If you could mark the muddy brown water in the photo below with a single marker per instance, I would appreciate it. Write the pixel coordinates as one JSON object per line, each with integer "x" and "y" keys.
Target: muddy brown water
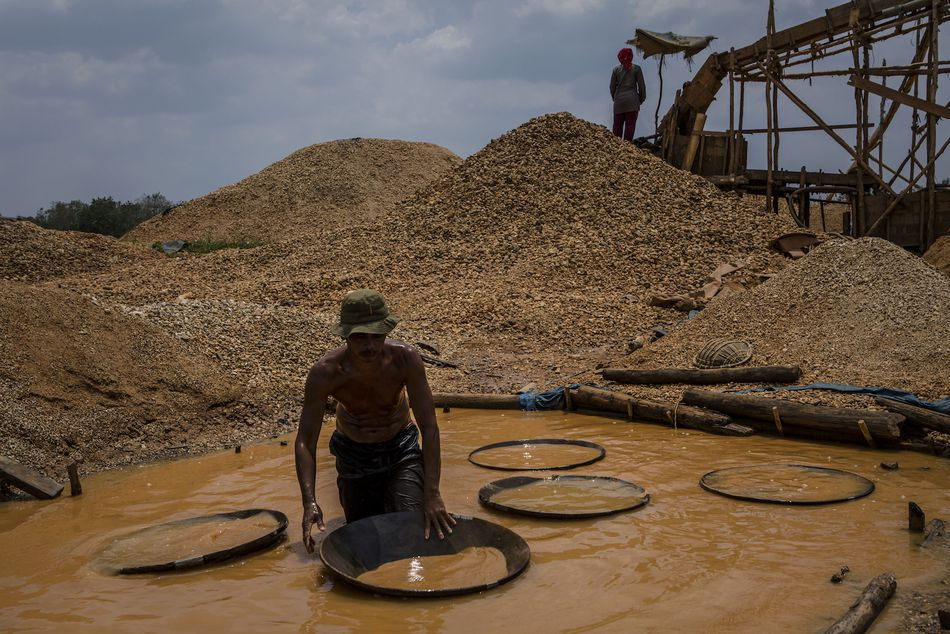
{"x": 470, "y": 567}
{"x": 689, "y": 561}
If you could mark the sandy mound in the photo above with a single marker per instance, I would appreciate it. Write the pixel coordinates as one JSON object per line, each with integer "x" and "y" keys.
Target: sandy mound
{"x": 938, "y": 255}
{"x": 76, "y": 375}
{"x": 536, "y": 255}
{"x": 321, "y": 186}
{"x": 29, "y": 253}
{"x": 863, "y": 312}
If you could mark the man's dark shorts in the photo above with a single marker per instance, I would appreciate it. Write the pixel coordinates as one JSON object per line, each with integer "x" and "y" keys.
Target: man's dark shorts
{"x": 375, "y": 478}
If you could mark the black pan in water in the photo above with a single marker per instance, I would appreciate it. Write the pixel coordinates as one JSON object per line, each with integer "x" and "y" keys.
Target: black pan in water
{"x": 367, "y": 544}
{"x": 587, "y": 453}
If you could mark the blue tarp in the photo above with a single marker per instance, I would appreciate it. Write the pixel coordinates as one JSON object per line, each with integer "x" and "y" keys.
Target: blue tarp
{"x": 537, "y": 401}
{"x": 941, "y": 405}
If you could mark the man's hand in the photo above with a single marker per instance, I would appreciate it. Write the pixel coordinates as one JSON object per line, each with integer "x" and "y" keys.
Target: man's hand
{"x": 312, "y": 514}
{"x": 436, "y": 516}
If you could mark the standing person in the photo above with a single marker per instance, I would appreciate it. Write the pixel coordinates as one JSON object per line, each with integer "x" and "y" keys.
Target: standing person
{"x": 380, "y": 466}
{"x": 628, "y": 91}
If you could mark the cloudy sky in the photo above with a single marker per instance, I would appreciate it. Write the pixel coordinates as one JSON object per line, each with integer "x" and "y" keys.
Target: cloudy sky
{"x": 128, "y": 97}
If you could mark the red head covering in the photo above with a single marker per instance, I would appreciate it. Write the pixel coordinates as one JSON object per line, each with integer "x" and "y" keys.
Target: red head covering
{"x": 626, "y": 58}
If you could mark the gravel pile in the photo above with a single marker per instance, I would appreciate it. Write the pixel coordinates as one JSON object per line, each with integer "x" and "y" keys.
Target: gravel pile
{"x": 321, "y": 186}
{"x": 863, "y": 312}
{"x": 81, "y": 381}
{"x": 29, "y": 253}
{"x": 938, "y": 255}
{"x": 529, "y": 262}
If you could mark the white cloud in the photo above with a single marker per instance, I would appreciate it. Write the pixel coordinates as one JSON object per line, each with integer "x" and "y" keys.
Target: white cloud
{"x": 562, "y": 8}
{"x": 446, "y": 39}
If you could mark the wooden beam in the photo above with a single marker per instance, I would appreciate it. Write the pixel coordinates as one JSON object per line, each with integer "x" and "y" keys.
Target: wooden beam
{"x": 673, "y": 414}
{"x": 899, "y": 97}
{"x": 834, "y": 422}
{"x": 808, "y": 128}
{"x": 920, "y": 416}
{"x": 29, "y": 480}
{"x": 867, "y": 606}
{"x": 761, "y": 374}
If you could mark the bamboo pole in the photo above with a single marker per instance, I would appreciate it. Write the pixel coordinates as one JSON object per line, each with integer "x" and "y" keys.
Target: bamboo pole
{"x": 731, "y": 143}
{"x": 932, "y": 128}
{"x": 769, "y": 114}
{"x": 860, "y": 207}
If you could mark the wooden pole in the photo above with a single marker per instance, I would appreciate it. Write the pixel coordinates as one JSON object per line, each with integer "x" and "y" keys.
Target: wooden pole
{"x": 731, "y": 147}
{"x": 800, "y": 419}
{"x": 929, "y": 229}
{"x": 860, "y": 208}
{"x": 916, "y": 518}
{"x": 920, "y": 416}
{"x": 590, "y": 398}
{"x": 698, "y": 124}
{"x": 769, "y": 102}
{"x": 75, "y": 486}
{"x": 778, "y": 421}
{"x": 761, "y": 374}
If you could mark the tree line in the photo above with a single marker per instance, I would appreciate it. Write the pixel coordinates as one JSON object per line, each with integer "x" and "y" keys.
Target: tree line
{"x": 101, "y": 215}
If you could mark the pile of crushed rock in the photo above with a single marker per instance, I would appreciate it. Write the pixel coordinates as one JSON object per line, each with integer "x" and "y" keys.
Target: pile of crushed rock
{"x": 83, "y": 382}
{"x": 938, "y": 255}
{"x": 320, "y": 186}
{"x": 860, "y": 312}
{"x": 29, "y": 253}
{"x": 535, "y": 257}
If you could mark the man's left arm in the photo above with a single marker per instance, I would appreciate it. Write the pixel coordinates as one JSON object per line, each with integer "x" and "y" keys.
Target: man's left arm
{"x": 423, "y": 408}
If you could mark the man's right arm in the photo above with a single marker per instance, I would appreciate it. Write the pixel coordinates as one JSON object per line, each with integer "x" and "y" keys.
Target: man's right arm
{"x": 305, "y": 451}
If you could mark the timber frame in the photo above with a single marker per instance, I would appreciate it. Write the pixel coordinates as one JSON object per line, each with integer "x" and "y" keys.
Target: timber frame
{"x": 904, "y": 203}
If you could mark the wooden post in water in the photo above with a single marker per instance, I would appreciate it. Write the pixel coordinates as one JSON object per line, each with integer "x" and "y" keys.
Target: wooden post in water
{"x": 75, "y": 486}
{"x": 916, "y": 519}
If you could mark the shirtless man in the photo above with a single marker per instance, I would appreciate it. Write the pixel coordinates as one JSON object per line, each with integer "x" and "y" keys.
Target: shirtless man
{"x": 380, "y": 467}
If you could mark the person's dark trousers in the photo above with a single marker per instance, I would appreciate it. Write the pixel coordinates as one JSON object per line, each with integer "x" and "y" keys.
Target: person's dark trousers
{"x": 625, "y": 123}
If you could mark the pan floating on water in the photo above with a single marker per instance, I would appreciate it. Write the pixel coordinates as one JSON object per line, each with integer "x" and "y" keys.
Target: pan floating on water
{"x": 388, "y": 554}
{"x": 193, "y": 542}
{"x": 795, "y": 484}
{"x": 538, "y": 454}
{"x": 563, "y": 496}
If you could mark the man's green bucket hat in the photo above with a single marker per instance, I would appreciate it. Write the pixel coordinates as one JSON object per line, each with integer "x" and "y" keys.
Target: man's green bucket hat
{"x": 364, "y": 311}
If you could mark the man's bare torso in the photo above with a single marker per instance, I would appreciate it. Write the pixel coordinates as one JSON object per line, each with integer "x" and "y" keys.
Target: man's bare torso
{"x": 372, "y": 402}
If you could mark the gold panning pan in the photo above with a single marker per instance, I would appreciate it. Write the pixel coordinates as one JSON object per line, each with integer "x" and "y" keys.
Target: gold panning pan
{"x": 193, "y": 542}
{"x": 795, "y": 484}
{"x": 538, "y": 454}
{"x": 388, "y": 554}
{"x": 563, "y": 496}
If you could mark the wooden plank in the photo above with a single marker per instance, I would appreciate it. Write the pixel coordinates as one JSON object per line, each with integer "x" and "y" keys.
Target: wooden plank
{"x": 899, "y": 97}
{"x": 29, "y": 480}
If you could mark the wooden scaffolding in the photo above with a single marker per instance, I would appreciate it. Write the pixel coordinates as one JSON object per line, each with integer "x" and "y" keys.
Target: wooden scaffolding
{"x": 905, "y": 203}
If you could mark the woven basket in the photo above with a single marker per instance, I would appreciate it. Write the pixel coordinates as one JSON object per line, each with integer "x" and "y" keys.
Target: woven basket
{"x": 723, "y": 353}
